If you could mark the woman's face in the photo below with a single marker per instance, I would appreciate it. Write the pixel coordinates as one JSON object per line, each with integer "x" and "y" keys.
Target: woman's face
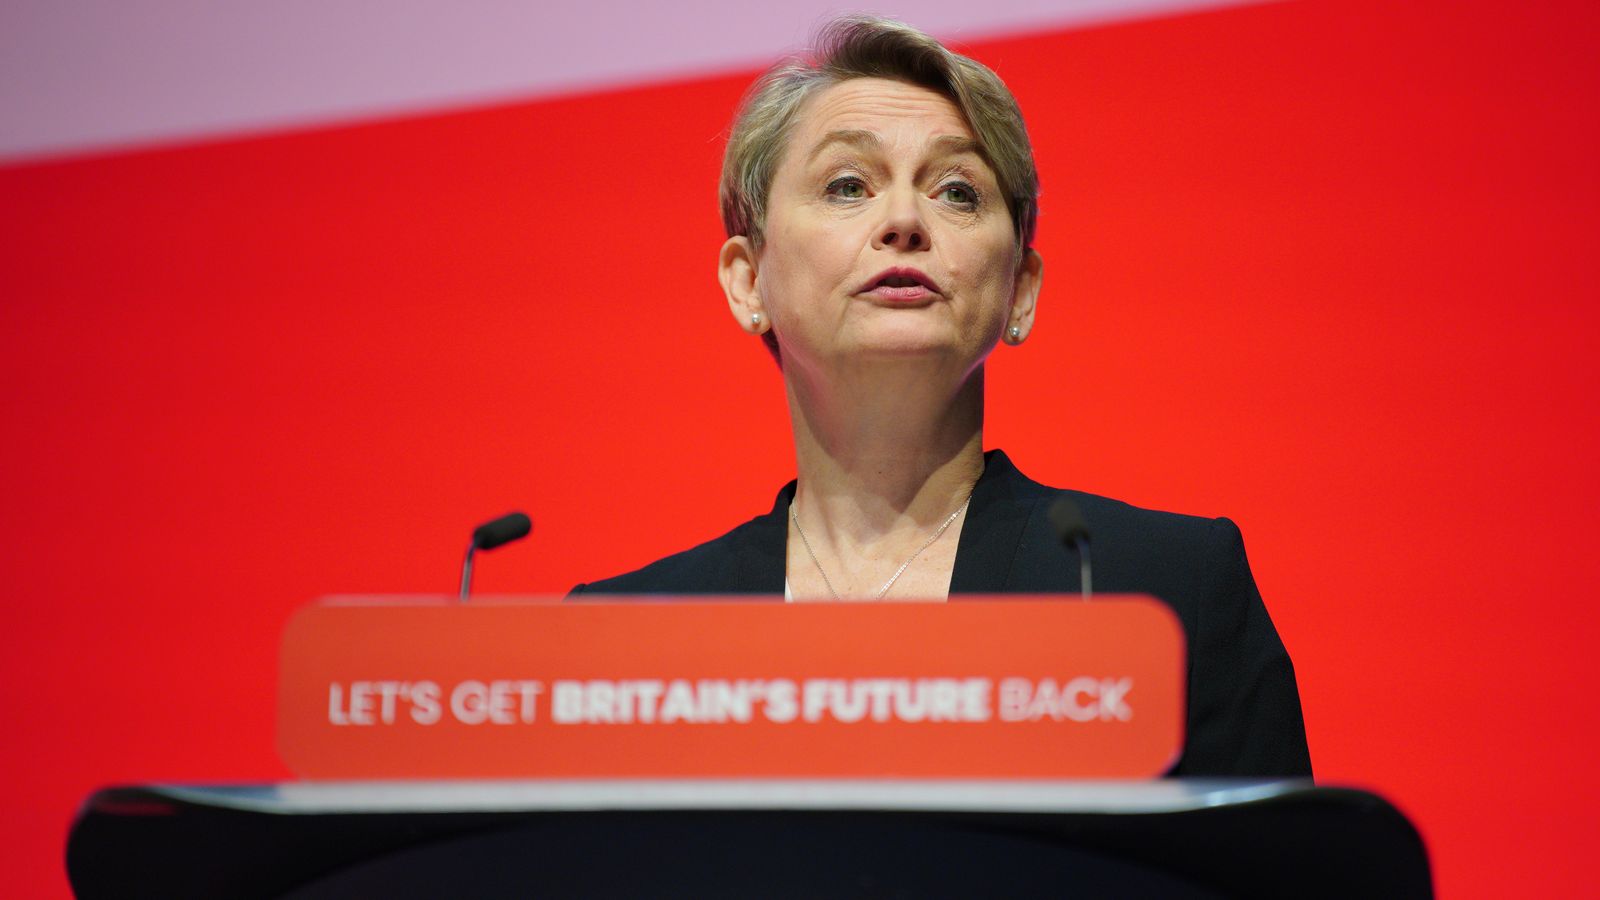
{"x": 886, "y": 234}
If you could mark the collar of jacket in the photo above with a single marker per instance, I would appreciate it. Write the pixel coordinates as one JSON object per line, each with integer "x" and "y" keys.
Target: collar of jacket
{"x": 1003, "y": 501}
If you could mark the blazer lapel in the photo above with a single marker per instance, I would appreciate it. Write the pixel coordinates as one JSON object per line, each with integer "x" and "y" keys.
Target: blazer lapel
{"x": 757, "y": 565}
{"x": 993, "y": 531}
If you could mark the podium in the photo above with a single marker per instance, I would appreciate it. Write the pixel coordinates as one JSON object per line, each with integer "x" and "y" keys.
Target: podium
{"x": 1006, "y": 747}
{"x": 778, "y": 839}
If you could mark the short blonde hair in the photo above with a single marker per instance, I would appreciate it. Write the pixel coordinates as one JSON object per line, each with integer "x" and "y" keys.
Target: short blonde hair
{"x": 871, "y": 47}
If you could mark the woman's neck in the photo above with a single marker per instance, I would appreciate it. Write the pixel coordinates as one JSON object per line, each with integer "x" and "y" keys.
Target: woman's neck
{"x": 882, "y": 461}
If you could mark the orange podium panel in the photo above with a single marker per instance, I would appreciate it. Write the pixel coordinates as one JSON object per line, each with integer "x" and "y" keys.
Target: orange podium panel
{"x": 1006, "y": 687}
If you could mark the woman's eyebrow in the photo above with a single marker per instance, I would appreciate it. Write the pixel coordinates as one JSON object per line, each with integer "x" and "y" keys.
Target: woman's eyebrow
{"x": 945, "y": 145}
{"x": 861, "y": 139}
{"x": 954, "y": 145}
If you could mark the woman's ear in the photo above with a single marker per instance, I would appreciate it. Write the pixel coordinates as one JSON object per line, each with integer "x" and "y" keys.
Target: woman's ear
{"x": 736, "y": 269}
{"x": 1025, "y": 297}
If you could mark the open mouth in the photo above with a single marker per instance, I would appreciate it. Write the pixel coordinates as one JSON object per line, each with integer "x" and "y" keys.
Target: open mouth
{"x": 901, "y": 285}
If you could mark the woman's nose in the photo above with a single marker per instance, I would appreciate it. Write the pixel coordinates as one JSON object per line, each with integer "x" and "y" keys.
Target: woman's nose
{"x": 902, "y": 227}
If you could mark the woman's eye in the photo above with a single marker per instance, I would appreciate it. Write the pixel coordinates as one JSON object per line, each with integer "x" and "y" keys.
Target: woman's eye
{"x": 848, "y": 188}
{"x": 959, "y": 194}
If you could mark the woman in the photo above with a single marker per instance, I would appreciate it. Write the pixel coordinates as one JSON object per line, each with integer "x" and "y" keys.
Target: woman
{"x": 880, "y": 207}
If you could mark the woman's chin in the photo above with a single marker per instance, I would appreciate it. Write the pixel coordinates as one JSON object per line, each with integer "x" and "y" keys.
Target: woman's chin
{"x": 908, "y": 346}
{"x": 911, "y": 338}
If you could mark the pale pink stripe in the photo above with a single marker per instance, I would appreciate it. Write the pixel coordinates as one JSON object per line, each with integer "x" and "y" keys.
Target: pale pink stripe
{"x": 79, "y": 75}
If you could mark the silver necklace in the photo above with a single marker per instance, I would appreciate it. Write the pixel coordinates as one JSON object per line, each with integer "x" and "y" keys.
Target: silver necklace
{"x": 897, "y": 572}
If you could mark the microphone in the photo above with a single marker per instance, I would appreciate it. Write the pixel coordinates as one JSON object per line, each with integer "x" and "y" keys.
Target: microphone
{"x": 491, "y": 534}
{"x": 1071, "y": 529}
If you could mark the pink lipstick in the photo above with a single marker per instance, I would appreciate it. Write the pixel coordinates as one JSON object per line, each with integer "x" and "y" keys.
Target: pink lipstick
{"x": 901, "y": 285}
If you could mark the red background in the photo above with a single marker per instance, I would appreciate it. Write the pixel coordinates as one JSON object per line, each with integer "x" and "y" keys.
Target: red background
{"x": 1324, "y": 267}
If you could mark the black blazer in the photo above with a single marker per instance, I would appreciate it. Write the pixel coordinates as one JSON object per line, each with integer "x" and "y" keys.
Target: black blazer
{"x": 1243, "y": 707}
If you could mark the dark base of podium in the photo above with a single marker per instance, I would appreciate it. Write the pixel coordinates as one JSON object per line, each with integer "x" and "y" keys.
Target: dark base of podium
{"x": 1297, "y": 841}
{"x": 746, "y": 855}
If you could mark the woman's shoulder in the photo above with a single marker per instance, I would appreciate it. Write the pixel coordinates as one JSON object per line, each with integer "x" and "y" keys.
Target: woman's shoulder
{"x": 746, "y": 560}
{"x": 1110, "y": 521}
{"x": 1175, "y": 556}
{"x": 1127, "y": 525}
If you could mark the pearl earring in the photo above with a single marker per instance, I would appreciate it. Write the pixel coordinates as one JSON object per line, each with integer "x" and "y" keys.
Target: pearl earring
{"x": 755, "y": 322}
{"x": 1014, "y": 334}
